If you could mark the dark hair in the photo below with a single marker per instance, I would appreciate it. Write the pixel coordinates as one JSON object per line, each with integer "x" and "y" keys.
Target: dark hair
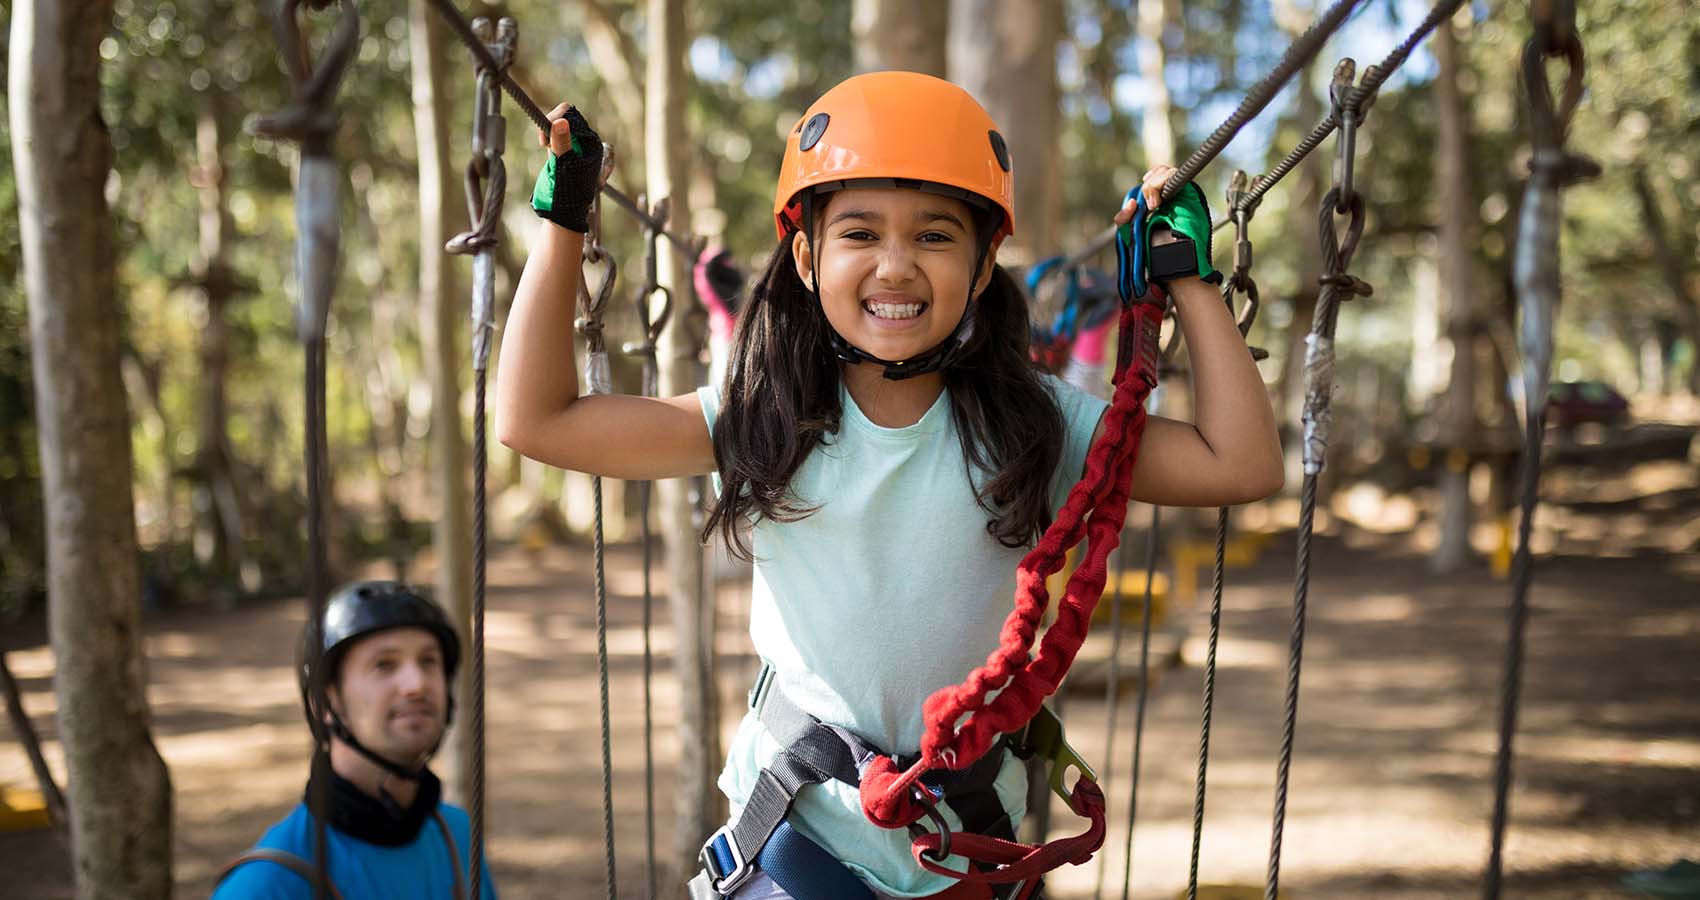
{"x": 781, "y": 399}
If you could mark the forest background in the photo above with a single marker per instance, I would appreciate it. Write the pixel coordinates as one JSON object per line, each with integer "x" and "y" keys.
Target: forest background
{"x": 1092, "y": 92}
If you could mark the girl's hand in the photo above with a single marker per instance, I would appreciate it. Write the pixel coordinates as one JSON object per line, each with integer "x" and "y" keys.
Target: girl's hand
{"x": 1151, "y": 188}
{"x": 572, "y": 175}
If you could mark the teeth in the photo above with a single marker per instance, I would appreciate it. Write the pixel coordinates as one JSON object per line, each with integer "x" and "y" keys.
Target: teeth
{"x": 894, "y": 310}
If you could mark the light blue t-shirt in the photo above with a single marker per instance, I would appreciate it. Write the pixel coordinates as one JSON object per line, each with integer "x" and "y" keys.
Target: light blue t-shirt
{"x": 418, "y": 870}
{"x": 889, "y": 591}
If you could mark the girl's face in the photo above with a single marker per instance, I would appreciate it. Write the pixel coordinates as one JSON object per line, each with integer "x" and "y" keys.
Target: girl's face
{"x": 894, "y": 268}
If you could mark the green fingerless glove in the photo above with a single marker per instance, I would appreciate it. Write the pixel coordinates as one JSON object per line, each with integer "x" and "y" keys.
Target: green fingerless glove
{"x": 1188, "y": 216}
{"x": 569, "y": 181}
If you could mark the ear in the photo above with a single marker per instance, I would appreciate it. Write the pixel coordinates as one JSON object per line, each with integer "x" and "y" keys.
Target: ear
{"x": 802, "y": 255}
{"x": 984, "y": 280}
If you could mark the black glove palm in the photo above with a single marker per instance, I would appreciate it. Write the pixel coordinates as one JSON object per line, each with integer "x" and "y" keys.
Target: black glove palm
{"x": 568, "y": 182}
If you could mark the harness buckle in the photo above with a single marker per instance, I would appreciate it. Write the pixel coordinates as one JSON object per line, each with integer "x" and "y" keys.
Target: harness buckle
{"x": 1044, "y": 736}
{"x": 724, "y": 881}
{"x": 928, "y": 799}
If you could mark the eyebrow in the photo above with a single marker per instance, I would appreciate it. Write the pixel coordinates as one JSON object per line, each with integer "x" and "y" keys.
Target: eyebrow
{"x": 926, "y": 217}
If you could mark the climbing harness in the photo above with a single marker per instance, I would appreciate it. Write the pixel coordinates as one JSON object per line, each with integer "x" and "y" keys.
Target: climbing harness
{"x": 651, "y": 324}
{"x": 486, "y": 186}
{"x": 310, "y": 121}
{"x": 1535, "y": 272}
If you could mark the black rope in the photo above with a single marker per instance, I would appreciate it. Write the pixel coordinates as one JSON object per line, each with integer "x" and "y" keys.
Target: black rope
{"x": 1535, "y": 272}
{"x": 1209, "y": 700}
{"x": 1337, "y": 286}
{"x": 1374, "y": 77}
{"x": 1144, "y": 693}
{"x": 310, "y": 120}
{"x": 486, "y": 187}
{"x": 602, "y": 686}
{"x": 598, "y": 381}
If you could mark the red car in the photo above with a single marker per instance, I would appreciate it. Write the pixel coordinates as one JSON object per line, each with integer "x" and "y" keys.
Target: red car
{"x": 1573, "y": 403}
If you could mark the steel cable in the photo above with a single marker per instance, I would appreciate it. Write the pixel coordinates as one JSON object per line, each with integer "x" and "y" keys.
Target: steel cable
{"x": 1144, "y": 693}
{"x": 1209, "y": 705}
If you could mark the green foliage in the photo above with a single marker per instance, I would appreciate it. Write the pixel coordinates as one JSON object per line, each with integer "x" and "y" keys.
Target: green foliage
{"x": 755, "y": 66}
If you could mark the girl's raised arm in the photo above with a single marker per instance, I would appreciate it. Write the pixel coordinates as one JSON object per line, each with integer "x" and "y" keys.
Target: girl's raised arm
{"x": 538, "y": 410}
{"x": 1231, "y": 452}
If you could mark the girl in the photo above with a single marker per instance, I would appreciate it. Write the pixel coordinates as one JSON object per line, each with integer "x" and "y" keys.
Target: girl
{"x": 885, "y": 452}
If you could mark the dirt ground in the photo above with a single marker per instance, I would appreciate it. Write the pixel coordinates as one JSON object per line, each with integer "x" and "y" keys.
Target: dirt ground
{"x": 1391, "y": 784}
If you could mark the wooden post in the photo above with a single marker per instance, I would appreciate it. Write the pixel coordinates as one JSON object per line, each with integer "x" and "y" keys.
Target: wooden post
{"x": 443, "y": 307}
{"x": 698, "y": 809}
{"x": 1452, "y": 188}
{"x": 119, "y": 791}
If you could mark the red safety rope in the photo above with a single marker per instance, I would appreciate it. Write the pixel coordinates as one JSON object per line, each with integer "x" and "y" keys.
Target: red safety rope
{"x": 1095, "y": 509}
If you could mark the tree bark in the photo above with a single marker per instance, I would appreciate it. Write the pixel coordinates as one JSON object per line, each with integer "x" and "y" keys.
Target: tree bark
{"x": 119, "y": 791}
{"x": 1004, "y": 52}
{"x": 903, "y": 35}
{"x": 1671, "y": 267}
{"x": 444, "y": 308}
{"x": 1157, "y": 125}
{"x": 221, "y": 503}
{"x": 698, "y": 807}
{"x": 1452, "y": 188}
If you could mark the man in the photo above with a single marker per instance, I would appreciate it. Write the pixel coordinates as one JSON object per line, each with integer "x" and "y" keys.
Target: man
{"x": 380, "y": 697}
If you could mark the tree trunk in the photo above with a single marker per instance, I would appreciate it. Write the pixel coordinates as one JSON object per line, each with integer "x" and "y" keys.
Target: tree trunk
{"x": 1452, "y": 188}
{"x": 1672, "y": 268}
{"x": 444, "y": 308}
{"x": 1157, "y": 126}
{"x": 900, "y": 34}
{"x": 119, "y": 791}
{"x": 1004, "y": 52}
{"x": 219, "y": 502}
{"x": 614, "y": 53}
{"x": 698, "y": 807}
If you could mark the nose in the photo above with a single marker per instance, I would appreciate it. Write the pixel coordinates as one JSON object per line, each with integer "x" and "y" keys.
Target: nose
{"x": 412, "y": 679}
{"x": 896, "y": 262}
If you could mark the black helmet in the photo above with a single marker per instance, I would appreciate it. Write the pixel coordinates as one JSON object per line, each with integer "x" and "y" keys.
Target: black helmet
{"x": 354, "y": 612}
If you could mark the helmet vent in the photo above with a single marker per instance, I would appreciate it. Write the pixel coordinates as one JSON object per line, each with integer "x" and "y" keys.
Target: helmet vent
{"x": 1000, "y": 150}
{"x": 812, "y": 131}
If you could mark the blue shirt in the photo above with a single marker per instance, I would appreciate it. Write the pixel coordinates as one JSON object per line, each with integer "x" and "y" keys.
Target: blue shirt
{"x": 889, "y": 591}
{"x": 417, "y": 870}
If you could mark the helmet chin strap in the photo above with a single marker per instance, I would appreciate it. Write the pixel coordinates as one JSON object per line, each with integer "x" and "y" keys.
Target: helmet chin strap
{"x": 940, "y": 356}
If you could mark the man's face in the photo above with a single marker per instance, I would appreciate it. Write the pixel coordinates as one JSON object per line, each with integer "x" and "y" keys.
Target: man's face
{"x": 393, "y": 694}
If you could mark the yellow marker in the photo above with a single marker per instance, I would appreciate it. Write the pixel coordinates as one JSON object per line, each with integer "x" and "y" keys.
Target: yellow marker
{"x": 22, "y": 810}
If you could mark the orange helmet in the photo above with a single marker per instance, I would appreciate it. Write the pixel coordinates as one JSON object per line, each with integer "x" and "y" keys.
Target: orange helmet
{"x": 902, "y": 125}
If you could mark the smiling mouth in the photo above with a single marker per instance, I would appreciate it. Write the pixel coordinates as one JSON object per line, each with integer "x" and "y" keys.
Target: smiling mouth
{"x": 895, "y": 311}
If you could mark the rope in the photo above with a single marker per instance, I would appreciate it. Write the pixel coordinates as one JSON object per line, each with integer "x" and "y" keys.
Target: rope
{"x": 688, "y": 243}
{"x": 597, "y": 380}
{"x": 1337, "y": 286}
{"x": 486, "y": 187}
{"x": 1374, "y": 77}
{"x": 1144, "y": 692}
{"x": 1535, "y": 271}
{"x": 310, "y": 120}
{"x": 1209, "y": 701}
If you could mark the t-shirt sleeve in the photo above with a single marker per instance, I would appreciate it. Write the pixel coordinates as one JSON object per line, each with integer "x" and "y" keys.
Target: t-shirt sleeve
{"x": 709, "y": 396}
{"x": 1081, "y": 413}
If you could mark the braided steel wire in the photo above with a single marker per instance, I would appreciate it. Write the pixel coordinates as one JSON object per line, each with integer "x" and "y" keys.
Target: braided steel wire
{"x": 1535, "y": 273}
{"x": 480, "y": 455}
{"x": 317, "y": 578}
{"x": 1373, "y": 79}
{"x": 1337, "y": 286}
{"x": 1144, "y": 692}
{"x": 596, "y": 548}
{"x": 1298, "y": 54}
{"x": 1209, "y": 700}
